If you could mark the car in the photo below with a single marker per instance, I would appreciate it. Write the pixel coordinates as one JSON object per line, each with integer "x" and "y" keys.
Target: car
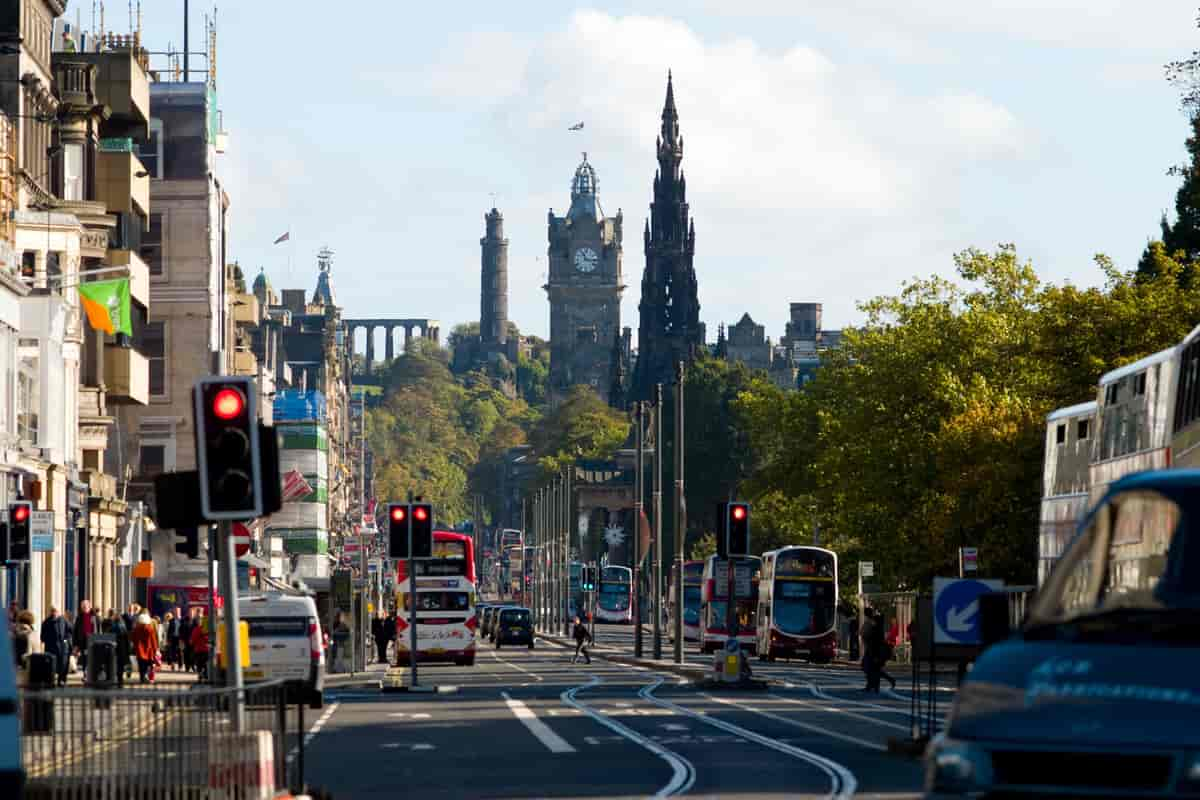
{"x": 514, "y": 626}
{"x": 485, "y": 618}
{"x": 480, "y": 612}
{"x": 285, "y": 643}
{"x": 12, "y": 774}
{"x": 1095, "y": 694}
{"x": 494, "y": 619}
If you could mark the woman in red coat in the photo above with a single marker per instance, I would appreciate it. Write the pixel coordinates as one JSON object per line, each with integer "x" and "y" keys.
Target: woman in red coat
{"x": 145, "y": 646}
{"x": 200, "y": 648}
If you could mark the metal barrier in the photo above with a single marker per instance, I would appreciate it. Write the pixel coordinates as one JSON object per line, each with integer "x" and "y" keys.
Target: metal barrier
{"x": 81, "y": 743}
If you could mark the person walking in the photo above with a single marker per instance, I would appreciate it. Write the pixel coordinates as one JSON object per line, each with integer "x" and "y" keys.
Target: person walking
{"x": 870, "y": 648}
{"x": 887, "y": 651}
{"x": 87, "y": 624}
{"x": 56, "y": 641}
{"x": 145, "y": 647}
{"x": 115, "y": 625}
{"x": 383, "y": 636}
{"x": 199, "y": 642}
{"x": 185, "y": 638}
{"x": 171, "y": 640}
{"x": 583, "y": 637}
{"x": 22, "y": 636}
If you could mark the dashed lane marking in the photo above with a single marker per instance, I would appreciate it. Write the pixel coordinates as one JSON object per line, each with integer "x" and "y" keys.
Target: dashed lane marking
{"x": 553, "y": 742}
{"x": 824, "y": 731}
{"x": 313, "y": 731}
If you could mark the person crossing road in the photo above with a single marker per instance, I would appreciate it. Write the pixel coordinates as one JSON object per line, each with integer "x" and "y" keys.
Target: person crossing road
{"x": 583, "y": 638}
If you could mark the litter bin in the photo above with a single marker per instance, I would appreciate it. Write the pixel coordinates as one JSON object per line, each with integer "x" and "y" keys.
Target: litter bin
{"x": 102, "y": 661}
{"x": 39, "y": 710}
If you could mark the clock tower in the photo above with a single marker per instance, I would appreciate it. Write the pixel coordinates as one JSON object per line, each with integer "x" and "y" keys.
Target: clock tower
{"x": 584, "y": 287}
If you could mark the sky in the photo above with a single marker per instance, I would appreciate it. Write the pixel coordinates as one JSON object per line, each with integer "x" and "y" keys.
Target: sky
{"x": 833, "y": 148}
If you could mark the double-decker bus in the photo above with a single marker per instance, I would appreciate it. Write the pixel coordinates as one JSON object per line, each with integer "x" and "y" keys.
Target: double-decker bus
{"x": 510, "y": 537}
{"x": 693, "y": 575}
{"x": 614, "y": 602}
{"x": 445, "y": 602}
{"x": 714, "y": 606}
{"x": 514, "y": 587}
{"x": 797, "y": 604}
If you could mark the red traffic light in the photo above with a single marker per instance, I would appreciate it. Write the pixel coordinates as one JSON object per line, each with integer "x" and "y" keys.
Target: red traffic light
{"x": 398, "y": 513}
{"x": 20, "y": 513}
{"x": 420, "y": 513}
{"x": 228, "y": 404}
{"x": 738, "y": 513}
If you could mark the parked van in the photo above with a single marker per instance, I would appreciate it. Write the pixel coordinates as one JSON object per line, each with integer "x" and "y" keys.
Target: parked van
{"x": 1096, "y": 694}
{"x": 285, "y": 642}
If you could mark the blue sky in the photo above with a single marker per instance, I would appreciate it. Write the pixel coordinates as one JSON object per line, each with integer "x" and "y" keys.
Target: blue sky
{"x": 833, "y": 148}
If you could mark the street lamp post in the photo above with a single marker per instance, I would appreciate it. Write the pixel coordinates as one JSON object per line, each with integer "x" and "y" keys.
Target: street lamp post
{"x": 680, "y": 524}
{"x": 658, "y": 506}
{"x": 638, "y": 555}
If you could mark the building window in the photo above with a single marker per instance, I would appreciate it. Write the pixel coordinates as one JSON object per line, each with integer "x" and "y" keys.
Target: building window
{"x": 1139, "y": 384}
{"x": 152, "y": 460}
{"x": 28, "y": 401}
{"x": 154, "y": 348}
{"x": 151, "y": 249}
{"x": 1083, "y": 429}
{"x": 150, "y": 151}
{"x": 73, "y": 172}
{"x": 28, "y": 264}
{"x": 1060, "y": 435}
{"x": 54, "y": 271}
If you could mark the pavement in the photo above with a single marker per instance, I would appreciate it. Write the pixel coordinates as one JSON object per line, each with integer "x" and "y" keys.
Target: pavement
{"x": 529, "y": 723}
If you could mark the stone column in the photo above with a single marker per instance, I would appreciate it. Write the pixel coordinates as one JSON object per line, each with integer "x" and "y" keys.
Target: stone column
{"x": 389, "y": 347}
{"x": 407, "y": 337}
{"x": 370, "y": 348}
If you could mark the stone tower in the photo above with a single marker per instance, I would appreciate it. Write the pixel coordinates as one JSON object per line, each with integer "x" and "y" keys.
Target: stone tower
{"x": 493, "y": 284}
{"x": 584, "y": 288}
{"x": 669, "y": 330}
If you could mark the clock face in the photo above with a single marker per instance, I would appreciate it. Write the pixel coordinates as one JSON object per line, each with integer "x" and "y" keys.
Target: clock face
{"x": 586, "y": 259}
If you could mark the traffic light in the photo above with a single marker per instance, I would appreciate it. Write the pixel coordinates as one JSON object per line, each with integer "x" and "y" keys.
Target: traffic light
{"x": 722, "y": 526}
{"x": 227, "y": 448}
{"x": 422, "y": 530}
{"x": 589, "y": 578}
{"x": 737, "y": 529}
{"x": 189, "y": 542}
{"x": 19, "y": 517}
{"x": 397, "y": 530}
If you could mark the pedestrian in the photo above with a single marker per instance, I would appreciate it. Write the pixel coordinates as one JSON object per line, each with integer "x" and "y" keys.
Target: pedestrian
{"x": 853, "y": 630}
{"x": 14, "y": 608}
{"x": 87, "y": 624}
{"x": 869, "y": 657}
{"x": 377, "y": 636}
{"x": 56, "y": 641}
{"x": 199, "y": 641}
{"x": 22, "y": 636}
{"x": 887, "y": 651}
{"x": 186, "y": 626}
{"x": 171, "y": 627}
{"x": 115, "y": 626}
{"x": 145, "y": 647}
{"x": 582, "y": 638}
{"x": 130, "y": 618}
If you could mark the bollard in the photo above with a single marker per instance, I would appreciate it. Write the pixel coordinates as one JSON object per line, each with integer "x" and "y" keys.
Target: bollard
{"x": 38, "y": 716}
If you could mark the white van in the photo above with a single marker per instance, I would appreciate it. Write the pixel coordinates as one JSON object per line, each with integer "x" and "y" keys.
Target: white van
{"x": 285, "y": 642}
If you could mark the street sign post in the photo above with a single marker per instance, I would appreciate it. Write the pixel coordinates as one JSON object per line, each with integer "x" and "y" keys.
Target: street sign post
{"x": 41, "y": 532}
{"x": 866, "y": 569}
{"x": 956, "y": 609}
{"x": 968, "y": 561}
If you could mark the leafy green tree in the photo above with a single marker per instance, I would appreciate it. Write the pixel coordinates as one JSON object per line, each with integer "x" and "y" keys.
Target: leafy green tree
{"x": 581, "y": 426}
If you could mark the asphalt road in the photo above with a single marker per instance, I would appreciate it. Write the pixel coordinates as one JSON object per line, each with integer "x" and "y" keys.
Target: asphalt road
{"x": 525, "y": 723}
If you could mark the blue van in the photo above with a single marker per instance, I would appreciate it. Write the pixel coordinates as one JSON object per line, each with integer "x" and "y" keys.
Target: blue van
{"x": 1098, "y": 693}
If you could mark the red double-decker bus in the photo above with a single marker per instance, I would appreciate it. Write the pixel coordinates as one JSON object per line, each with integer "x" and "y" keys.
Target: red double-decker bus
{"x": 447, "y": 544}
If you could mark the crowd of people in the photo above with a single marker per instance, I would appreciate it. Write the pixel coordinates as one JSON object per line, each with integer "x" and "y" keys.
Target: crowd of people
{"x": 138, "y": 639}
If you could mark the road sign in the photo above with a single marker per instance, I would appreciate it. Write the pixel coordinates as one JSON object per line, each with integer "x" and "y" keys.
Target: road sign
{"x": 241, "y": 539}
{"x": 866, "y": 569}
{"x": 968, "y": 559}
{"x": 41, "y": 531}
{"x": 956, "y": 609}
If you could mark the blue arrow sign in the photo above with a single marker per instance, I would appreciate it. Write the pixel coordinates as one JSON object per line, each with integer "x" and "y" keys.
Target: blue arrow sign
{"x": 956, "y": 609}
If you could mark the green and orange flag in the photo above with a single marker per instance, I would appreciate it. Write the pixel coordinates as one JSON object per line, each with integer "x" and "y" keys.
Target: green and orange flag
{"x": 107, "y": 305}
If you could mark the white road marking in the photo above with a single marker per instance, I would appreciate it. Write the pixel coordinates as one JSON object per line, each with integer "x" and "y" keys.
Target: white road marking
{"x": 393, "y": 745}
{"x": 683, "y": 774}
{"x": 313, "y": 731}
{"x": 554, "y": 743}
{"x": 674, "y": 726}
{"x": 843, "y": 711}
{"x": 423, "y": 746}
{"x": 842, "y": 779}
{"x": 824, "y": 731}
{"x": 420, "y": 716}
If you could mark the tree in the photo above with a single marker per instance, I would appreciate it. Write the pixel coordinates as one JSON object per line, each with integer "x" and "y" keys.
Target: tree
{"x": 581, "y": 426}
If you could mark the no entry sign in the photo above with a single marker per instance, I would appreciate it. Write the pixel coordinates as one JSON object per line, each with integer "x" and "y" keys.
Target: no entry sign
{"x": 241, "y": 539}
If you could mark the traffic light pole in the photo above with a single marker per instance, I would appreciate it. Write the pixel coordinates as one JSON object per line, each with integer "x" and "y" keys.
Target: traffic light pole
{"x": 680, "y": 526}
{"x": 565, "y": 594}
{"x": 412, "y": 599}
{"x": 638, "y": 555}
{"x": 233, "y": 650}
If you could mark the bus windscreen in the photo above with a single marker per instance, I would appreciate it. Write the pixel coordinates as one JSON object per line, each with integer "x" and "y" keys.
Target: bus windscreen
{"x": 803, "y": 607}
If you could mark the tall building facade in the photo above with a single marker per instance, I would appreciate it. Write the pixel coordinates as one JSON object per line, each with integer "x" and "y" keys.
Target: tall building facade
{"x": 584, "y": 287}
{"x": 669, "y": 330}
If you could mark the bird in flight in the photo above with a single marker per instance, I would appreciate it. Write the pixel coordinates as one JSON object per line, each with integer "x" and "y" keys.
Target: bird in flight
{"x": 578, "y": 126}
